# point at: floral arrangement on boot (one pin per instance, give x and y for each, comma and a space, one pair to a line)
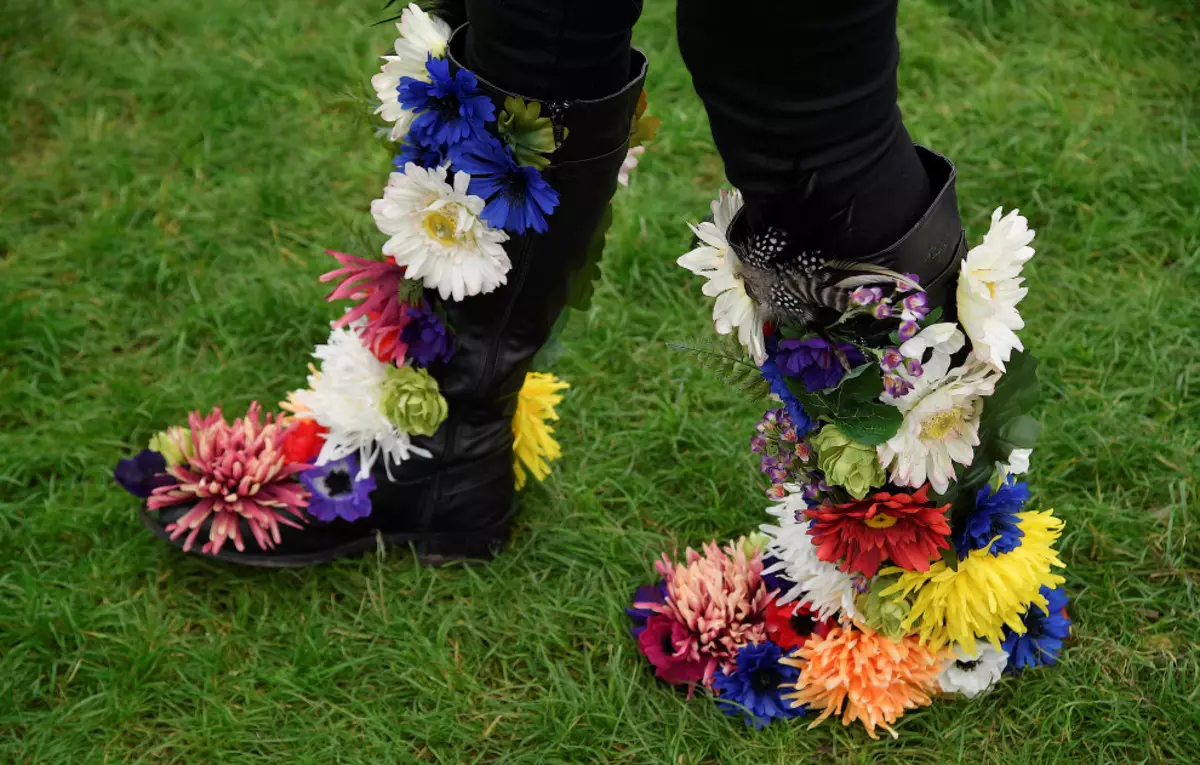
900, 563
467, 177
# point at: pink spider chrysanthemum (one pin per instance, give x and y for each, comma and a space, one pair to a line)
721, 601
376, 285
236, 472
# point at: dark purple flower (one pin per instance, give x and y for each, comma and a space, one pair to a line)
650, 593
891, 359
814, 361
143, 474
774, 581
337, 491
426, 337
908, 329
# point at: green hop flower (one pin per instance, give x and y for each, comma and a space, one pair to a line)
529, 134
883, 614
847, 463
412, 401
174, 444
754, 543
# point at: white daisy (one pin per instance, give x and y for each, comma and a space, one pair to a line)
972, 675
346, 397
437, 235
421, 36
715, 261
989, 288
829, 590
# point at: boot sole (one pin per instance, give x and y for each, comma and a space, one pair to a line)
432, 549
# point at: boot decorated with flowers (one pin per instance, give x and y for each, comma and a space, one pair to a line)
421, 416
899, 563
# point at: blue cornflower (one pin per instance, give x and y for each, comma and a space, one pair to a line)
518, 197
421, 156
774, 375
995, 517
753, 689
650, 593
1045, 632
448, 109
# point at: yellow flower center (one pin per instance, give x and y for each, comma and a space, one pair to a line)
882, 521
991, 289
441, 225
939, 425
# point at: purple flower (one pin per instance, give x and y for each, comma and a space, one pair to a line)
337, 492
758, 444
650, 593
882, 311
908, 329
814, 361
913, 367
774, 581
903, 287
896, 386
427, 338
866, 295
143, 474
891, 359
917, 304
518, 197
449, 108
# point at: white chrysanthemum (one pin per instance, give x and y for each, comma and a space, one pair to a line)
1018, 463
989, 288
972, 675
421, 35
715, 261
346, 397
829, 590
437, 235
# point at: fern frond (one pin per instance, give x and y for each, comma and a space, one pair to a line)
723, 356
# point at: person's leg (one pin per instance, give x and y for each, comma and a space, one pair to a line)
801, 97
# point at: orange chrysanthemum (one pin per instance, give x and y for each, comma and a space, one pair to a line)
864, 676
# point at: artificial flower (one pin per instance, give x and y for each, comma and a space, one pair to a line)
667, 645
436, 233
791, 625
519, 199
1046, 627
847, 463
941, 418
421, 36
304, 441
827, 589
972, 674
770, 371
716, 262
238, 474
376, 285
447, 108
174, 444
526, 133
427, 338
650, 593
816, 362
347, 398
413, 402
143, 474
427, 157
994, 523
754, 688
907, 529
631, 161
337, 491
785, 453
883, 613
986, 592
989, 288
1018, 463
864, 676
718, 597
534, 447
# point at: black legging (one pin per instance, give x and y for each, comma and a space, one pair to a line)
801, 97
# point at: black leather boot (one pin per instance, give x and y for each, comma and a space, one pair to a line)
459, 503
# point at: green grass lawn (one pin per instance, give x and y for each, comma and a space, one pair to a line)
171, 172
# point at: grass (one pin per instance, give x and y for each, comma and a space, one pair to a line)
171, 173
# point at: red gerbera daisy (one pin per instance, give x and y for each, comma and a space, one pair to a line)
907, 529
304, 441
790, 625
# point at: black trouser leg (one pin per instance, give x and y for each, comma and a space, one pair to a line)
801, 97
552, 49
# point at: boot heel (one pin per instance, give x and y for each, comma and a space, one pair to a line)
480, 546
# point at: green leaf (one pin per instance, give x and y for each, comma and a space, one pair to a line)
529, 134
933, 317
1019, 433
724, 357
856, 386
870, 424
554, 348
583, 281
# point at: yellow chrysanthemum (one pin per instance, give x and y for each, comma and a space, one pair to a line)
987, 591
533, 440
